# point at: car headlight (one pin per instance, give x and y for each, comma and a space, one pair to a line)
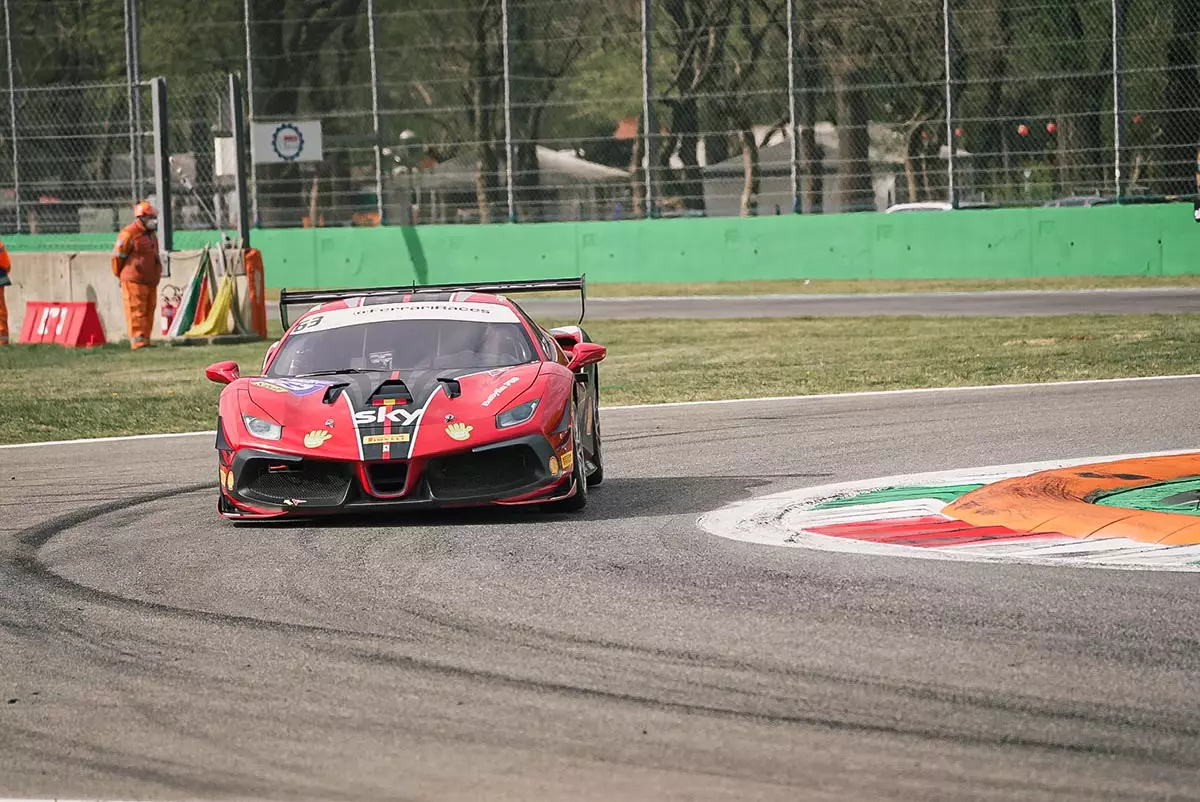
517, 415
262, 429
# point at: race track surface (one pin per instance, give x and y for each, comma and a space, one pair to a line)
152, 651
1153, 300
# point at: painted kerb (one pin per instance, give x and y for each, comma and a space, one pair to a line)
1158, 239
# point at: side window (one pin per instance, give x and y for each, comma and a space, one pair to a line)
549, 346
552, 347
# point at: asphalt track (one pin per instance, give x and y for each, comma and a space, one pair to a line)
149, 650
1019, 303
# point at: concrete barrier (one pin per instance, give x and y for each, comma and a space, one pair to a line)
87, 276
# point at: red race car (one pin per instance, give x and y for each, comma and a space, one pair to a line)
426, 396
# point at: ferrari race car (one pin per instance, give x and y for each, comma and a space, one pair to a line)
397, 398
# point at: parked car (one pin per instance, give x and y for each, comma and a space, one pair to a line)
937, 206
1080, 200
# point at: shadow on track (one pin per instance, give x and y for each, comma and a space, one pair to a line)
616, 499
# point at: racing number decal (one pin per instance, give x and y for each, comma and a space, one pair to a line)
307, 323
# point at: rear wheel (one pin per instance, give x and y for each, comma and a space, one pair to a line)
597, 475
579, 476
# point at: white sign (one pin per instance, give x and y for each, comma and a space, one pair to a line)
226, 156
282, 142
417, 310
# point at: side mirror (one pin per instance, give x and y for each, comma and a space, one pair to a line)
585, 354
223, 372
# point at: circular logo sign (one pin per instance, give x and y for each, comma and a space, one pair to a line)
287, 142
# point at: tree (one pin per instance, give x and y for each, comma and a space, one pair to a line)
290, 56
991, 70
482, 91
695, 32
911, 53
1180, 128
847, 36
67, 138
808, 80
755, 23
542, 53
1079, 97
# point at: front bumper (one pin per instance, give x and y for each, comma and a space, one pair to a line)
266, 484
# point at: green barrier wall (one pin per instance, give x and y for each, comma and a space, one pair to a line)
184, 240
1158, 239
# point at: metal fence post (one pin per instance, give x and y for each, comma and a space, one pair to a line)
162, 166
951, 146
793, 128
1118, 41
375, 127
135, 40
250, 107
12, 117
508, 145
647, 108
238, 120
133, 76
134, 173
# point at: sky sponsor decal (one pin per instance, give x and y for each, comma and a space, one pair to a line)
394, 415
388, 431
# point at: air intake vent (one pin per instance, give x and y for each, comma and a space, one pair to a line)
312, 483
392, 390
387, 478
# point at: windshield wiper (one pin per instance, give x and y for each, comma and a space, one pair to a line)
339, 371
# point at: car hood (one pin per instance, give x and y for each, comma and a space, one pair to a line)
381, 416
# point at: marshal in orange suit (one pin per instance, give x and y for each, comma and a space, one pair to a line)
136, 262
5, 269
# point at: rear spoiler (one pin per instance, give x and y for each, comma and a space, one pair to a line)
579, 284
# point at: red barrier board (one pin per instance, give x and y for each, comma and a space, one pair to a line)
73, 324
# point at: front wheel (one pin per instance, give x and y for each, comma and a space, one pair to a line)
579, 476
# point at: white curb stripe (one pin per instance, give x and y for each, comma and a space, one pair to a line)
911, 391
84, 441
765, 400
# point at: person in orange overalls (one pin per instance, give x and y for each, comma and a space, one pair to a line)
5, 268
136, 262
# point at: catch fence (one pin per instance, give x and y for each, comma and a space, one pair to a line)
369, 112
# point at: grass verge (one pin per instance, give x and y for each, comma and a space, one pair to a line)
800, 287
50, 393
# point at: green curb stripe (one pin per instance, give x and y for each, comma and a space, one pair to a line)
946, 493
1179, 496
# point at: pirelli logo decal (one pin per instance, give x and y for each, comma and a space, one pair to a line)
379, 439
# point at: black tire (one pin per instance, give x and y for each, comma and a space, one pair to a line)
597, 475
578, 501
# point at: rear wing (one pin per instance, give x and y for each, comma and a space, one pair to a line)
311, 297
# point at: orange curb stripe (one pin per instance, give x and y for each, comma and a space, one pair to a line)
1054, 501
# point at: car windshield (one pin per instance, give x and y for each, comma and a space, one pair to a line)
404, 345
